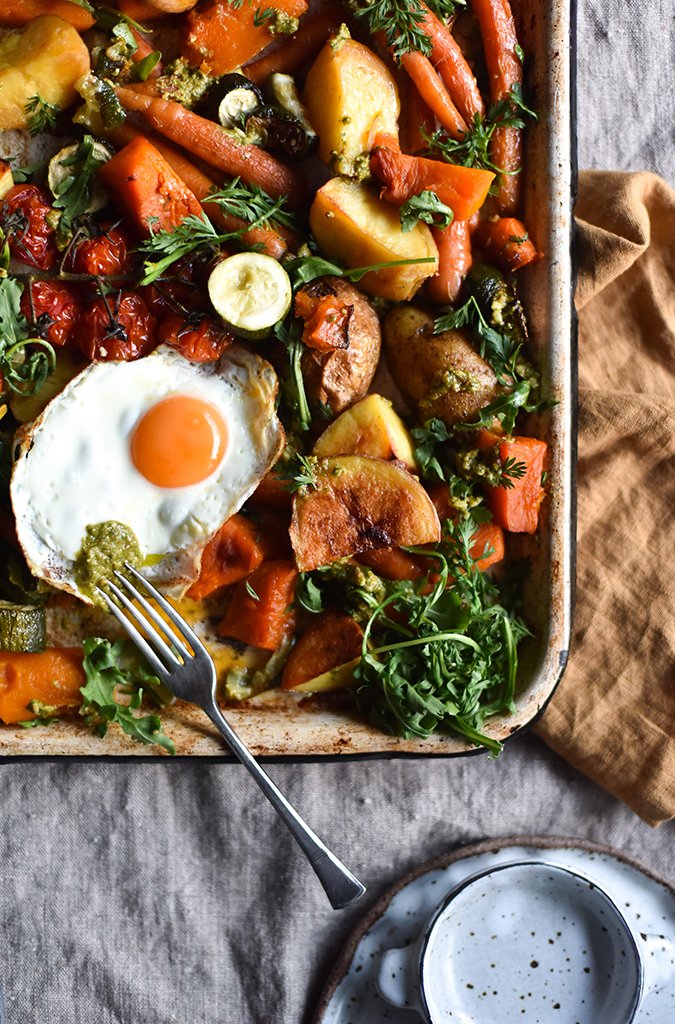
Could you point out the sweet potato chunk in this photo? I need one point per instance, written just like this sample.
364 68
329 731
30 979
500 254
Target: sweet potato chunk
354 226
351 96
52 677
371 427
330 640
359 504
44 59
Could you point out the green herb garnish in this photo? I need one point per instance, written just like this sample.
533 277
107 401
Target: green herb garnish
426 207
40 115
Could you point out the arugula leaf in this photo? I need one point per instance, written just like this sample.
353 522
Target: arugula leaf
25 363
40 115
108 681
72 195
304 269
145 67
108 19
293 392
427 207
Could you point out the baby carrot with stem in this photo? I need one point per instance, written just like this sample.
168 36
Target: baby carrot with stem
434 93
505 69
216 146
454 261
452 66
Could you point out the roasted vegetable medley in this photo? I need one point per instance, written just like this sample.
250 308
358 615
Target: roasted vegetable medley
260 336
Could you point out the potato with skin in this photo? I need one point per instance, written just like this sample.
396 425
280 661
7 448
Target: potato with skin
45 59
341 377
359 504
371 427
350 95
354 226
440 375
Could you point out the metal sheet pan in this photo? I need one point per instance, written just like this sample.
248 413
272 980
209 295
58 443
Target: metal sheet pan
281 725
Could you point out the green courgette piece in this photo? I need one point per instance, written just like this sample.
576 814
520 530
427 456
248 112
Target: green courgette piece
22 627
251 292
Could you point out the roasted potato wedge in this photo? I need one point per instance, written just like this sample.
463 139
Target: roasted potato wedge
341 377
359 504
350 95
44 59
439 375
371 427
354 226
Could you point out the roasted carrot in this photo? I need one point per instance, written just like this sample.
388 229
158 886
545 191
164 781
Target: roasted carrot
53 677
454 261
217 146
260 612
146 188
505 241
299 51
487 545
14 13
516 508
273 492
505 70
463 189
452 66
392 564
416 122
221 36
274 243
230 556
434 93
331 639
143 50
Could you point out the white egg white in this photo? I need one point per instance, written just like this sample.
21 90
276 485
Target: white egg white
74 466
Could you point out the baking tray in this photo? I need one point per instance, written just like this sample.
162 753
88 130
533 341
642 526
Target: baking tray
283 726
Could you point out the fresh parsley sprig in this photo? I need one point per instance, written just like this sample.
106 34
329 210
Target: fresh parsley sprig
116 682
425 207
249 203
473 149
40 115
402 22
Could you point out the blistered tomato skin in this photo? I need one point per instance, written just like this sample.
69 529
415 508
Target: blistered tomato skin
52 311
24 222
119 327
198 338
103 256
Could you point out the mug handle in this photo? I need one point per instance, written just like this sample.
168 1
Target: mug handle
658 961
398 978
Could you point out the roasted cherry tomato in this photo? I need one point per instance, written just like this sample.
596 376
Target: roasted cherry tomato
178 290
103 256
198 338
117 327
52 310
24 222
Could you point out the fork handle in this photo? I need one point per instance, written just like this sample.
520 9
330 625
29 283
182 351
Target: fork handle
340 885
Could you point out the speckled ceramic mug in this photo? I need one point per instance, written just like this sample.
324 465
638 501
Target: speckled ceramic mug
527 941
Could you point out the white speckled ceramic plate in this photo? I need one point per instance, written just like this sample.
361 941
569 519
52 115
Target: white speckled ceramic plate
351 996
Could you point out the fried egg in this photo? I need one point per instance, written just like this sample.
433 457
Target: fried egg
170 448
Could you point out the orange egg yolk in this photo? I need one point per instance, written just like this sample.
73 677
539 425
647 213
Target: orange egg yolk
179 441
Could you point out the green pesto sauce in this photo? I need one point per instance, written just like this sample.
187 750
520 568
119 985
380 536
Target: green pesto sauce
106 547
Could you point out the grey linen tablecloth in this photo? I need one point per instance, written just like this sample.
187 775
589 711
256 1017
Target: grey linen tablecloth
150 894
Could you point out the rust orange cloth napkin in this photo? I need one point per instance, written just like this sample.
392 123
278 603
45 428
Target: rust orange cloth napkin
613 715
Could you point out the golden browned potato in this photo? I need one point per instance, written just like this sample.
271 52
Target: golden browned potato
339 378
439 375
359 504
371 427
172 6
43 59
350 96
354 226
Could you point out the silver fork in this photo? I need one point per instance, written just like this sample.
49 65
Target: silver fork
185 667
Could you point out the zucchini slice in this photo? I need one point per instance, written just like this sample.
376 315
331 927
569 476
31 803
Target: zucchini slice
22 627
251 292
62 166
